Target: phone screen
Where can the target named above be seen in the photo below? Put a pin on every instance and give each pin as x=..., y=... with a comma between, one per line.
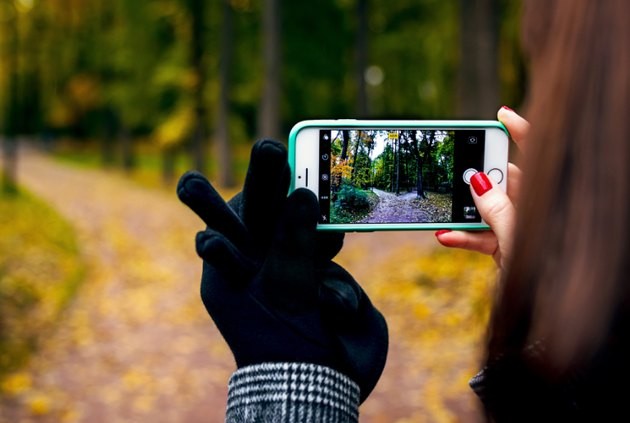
x=382, y=176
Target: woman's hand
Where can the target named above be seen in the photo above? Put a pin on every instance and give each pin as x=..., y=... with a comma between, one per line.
x=496, y=207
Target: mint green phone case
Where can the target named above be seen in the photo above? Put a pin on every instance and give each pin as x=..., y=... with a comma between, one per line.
x=383, y=124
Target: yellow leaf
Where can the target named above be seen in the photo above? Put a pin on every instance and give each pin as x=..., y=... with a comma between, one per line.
x=176, y=127
x=17, y=383
x=39, y=404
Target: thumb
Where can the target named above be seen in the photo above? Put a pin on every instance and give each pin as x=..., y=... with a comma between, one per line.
x=496, y=209
x=216, y=250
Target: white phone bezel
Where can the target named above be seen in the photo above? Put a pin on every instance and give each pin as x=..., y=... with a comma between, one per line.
x=306, y=173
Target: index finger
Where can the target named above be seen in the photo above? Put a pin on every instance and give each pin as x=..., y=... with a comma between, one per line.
x=194, y=190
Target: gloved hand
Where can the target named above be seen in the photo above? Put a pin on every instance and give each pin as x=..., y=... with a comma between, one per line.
x=269, y=282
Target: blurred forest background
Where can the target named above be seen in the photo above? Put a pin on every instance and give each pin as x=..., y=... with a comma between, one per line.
x=193, y=80
x=104, y=103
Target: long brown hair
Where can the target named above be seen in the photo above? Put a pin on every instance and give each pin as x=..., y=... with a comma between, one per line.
x=567, y=278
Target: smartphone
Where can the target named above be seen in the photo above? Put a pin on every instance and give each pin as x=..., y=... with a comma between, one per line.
x=372, y=175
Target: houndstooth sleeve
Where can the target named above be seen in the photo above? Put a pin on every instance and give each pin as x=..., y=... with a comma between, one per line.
x=291, y=393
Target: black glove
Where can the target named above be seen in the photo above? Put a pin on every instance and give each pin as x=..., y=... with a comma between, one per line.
x=268, y=280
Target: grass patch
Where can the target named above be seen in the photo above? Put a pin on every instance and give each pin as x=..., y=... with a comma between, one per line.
x=352, y=204
x=40, y=271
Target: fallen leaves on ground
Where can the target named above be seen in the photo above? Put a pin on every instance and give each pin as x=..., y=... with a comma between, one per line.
x=137, y=345
x=436, y=304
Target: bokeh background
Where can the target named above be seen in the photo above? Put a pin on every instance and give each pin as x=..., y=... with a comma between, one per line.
x=103, y=104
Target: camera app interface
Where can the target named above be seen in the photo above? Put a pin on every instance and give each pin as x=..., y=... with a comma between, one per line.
x=398, y=176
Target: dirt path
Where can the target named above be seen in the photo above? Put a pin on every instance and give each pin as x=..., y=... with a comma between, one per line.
x=395, y=207
x=137, y=345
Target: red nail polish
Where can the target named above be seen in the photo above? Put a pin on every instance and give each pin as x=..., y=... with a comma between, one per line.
x=442, y=231
x=507, y=108
x=480, y=183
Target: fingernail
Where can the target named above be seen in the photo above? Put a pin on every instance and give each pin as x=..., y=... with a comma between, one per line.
x=480, y=183
x=442, y=231
x=507, y=108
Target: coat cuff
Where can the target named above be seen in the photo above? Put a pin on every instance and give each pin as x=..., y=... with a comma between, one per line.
x=291, y=392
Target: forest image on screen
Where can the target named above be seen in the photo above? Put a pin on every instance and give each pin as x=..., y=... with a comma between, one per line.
x=391, y=176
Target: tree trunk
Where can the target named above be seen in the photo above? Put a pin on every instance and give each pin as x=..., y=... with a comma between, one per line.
x=108, y=136
x=107, y=115
x=397, y=187
x=169, y=154
x=478, y=84
x=222, y=134
x=429, y=142
x=419, y=164
x=407, y=170
x=344, y=146
x=9, y=167
x=269, y=112
x=13, y=116
x=127, y=150
x=196, y=10
x=362, y=57
x=354, y=157
x=392, y=169
x=419, y=186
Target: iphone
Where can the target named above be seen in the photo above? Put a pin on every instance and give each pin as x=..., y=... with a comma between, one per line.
x=372, y=175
